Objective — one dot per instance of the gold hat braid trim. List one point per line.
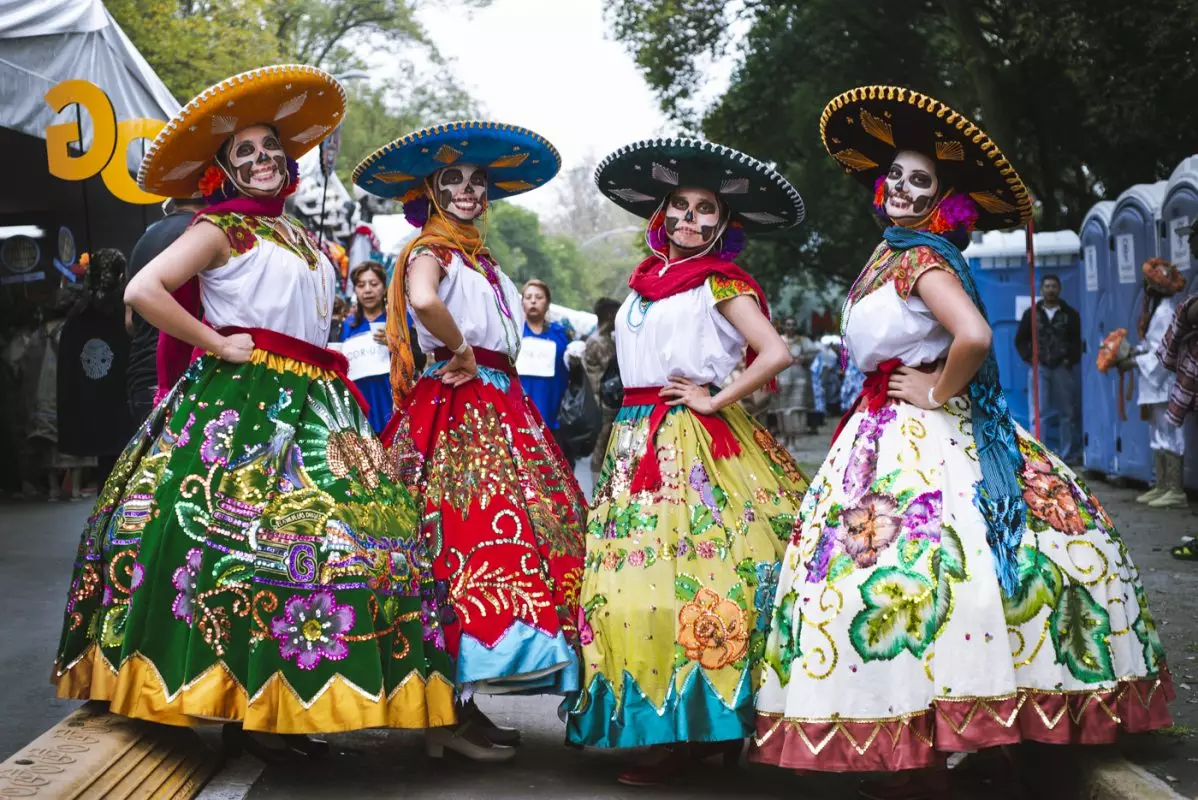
(183, 116)
(464, 125)
(942, 111)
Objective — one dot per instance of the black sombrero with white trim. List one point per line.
(638, 176)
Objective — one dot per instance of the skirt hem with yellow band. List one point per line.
(253, 558)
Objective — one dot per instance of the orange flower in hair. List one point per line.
(1163, 276)
(211, 180)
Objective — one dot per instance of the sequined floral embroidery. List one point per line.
(313, 629)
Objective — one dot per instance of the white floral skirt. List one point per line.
(891, 638)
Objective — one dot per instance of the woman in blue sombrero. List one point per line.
(695, 500)
(501, 508)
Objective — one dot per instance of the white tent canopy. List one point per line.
(44, 42)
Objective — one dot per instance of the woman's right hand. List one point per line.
(460, 369)
(236, 349)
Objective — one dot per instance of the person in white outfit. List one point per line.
(1162, 282)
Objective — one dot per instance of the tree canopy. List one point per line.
(1086, 97)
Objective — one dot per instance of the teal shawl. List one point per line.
(998, 496)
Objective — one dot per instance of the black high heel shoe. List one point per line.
(237, 742)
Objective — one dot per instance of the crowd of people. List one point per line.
(294, 544)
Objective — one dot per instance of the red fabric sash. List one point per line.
(283, 345)
(648, 472)
(491, 359)
(873, 392)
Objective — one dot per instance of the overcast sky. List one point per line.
(547, 65)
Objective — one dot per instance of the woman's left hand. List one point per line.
(913, 386)
(380, 336)
(683, 392)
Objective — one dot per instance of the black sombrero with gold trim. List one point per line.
(638, 176)
(865, 127)
(516, 159)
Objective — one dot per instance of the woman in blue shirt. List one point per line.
(545, 391)
(370, 286)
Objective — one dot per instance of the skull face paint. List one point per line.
(255, 161)
(912, 187)
(461, 191)
(692, 218)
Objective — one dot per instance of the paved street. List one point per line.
(37, 542)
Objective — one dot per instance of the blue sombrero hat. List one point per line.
(517, 160)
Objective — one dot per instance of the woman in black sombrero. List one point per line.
(951, 584)
(695, 500)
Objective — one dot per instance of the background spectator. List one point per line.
(1059, 331)
(794, 386)
(369, 280)
(93, 359)
(599, 354)
(544, 380)
(141, 377)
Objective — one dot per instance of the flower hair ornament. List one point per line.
(216, 186)
(953, 212)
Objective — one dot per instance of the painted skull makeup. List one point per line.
(912, 187)
(461, 191)
(692, 218)
(255, 161)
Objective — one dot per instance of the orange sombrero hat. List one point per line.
(304, 104)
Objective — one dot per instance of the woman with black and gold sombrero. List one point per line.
(499, 503)
(253, 558)
(695, 500)
(951, 584)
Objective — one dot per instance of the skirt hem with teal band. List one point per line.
(678, 582)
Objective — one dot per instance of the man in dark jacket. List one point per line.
(142, 377)
(1059, 331)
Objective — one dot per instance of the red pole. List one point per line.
(1031, 279)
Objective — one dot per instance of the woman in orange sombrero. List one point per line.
(253, 558)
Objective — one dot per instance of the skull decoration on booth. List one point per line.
(912, 188)
(255, 161)
(461, 191)
(693, 218)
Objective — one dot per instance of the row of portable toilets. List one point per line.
(1100, 277)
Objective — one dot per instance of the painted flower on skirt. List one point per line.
(872, 427)
(869, 528)
(430, 624)
(218, 438)
(767, 586)
(1050, 499)
(922, 519)
(712, 631)
(860, 471)
(701, 483)
(585, 634)
(184, 580)
(241, 238)
(817, 565)
(313, 629)
(137, 576)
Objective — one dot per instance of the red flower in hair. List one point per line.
(211, 180)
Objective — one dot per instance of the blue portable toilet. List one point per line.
(1134, 234)
(1178, 212)
(998, 260)
(1099, 410)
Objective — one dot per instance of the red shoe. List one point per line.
(669, 767)
(926, 784)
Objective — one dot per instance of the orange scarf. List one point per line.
(440, 232)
